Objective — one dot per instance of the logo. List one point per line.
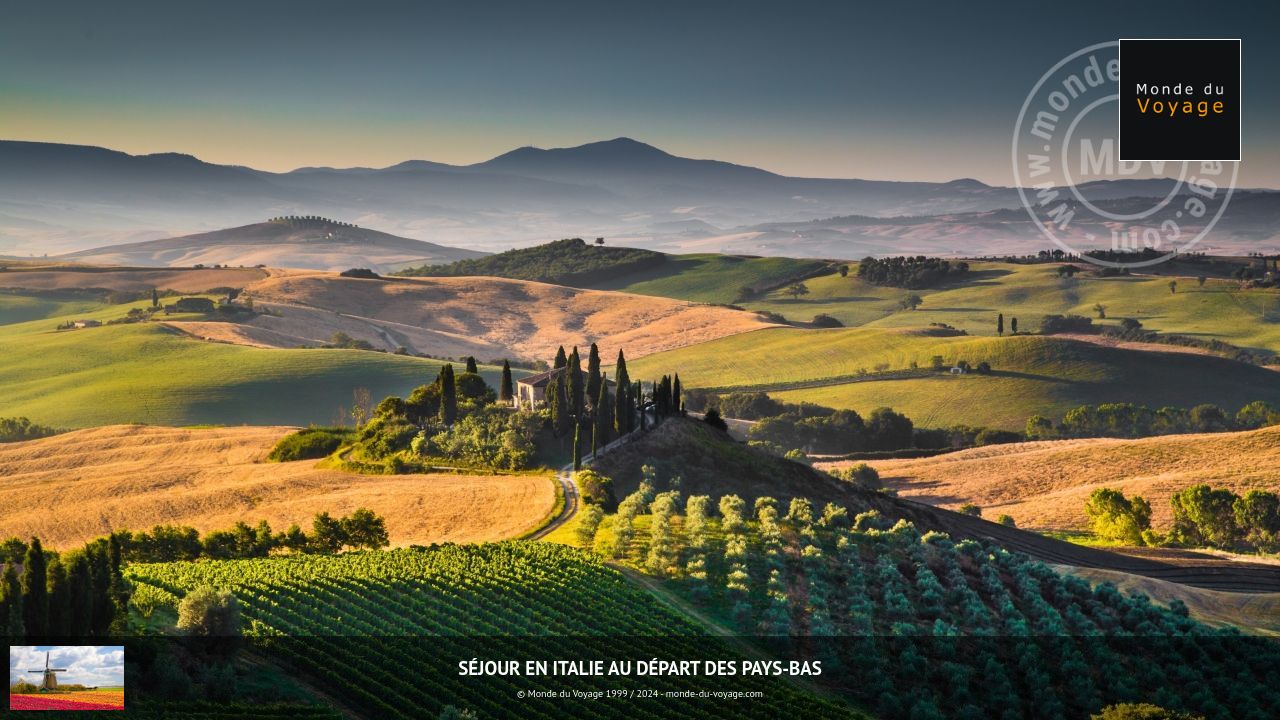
(1082, 196)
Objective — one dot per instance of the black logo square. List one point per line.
(1180, 100)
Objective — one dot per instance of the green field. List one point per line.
(150, 373)
(384, 631)
(1031, 374)
(710, 278)
(1248, 318)
(23, 308)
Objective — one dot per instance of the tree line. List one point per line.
(1127, 420)
(1203, 516)
(362, 529)
(80, 593)
(912, 272)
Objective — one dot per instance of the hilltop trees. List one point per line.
(909, 272)
(561, 360)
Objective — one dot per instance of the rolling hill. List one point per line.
(487, 317)
(704, 277)
(80, 485)
(1044, 485)
(152, 373)
(1031, 375)
(1220, 308)
(310, 244)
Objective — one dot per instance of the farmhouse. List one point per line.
(191, 304)
(531, 390)
(88, 323)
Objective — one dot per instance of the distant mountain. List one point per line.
(316, 244)
(65, 198)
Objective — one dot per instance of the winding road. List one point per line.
(565, 478)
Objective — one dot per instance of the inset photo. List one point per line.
(66, 677)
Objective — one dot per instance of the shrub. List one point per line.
(309, 444)
(1006, 520)
(594, 488)
(970, 509)
(823, 320)
(1115, 517)
(862, 475)
(992, 436)
(1051, 324)
(209, 613)
(1140, 711)
(712, 418)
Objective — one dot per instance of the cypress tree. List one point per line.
(471, 365)
(35, 591)
(80, 589)
(59, 598)
(1013, 326)
(644, 417)
(11, 594)
(448, 395)
(577, 446)
(155, 298)
(505, 390)
(623, 410)
(593, 373)
(558, 405)
(1000, 324)
(561, 361)
(604, 419)
(576, 386)
(103, 605)
(677, 401)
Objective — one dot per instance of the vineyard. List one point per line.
(918, 626)
(383, 632)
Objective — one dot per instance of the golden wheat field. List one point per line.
(1044, 485)
(73, 487)
(481, 316)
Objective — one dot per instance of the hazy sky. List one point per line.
(882, 90)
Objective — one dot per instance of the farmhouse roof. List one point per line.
(542, 378)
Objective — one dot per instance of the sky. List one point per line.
(89, 665)
(899, 91)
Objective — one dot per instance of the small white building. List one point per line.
(88, 323)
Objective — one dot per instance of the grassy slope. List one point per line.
(24, 308)
(1045, 485)
(1249, 318)
(152, 374)
(209, 478)
(709, 277)
(1033, 374)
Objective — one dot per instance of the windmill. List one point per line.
(50, 678)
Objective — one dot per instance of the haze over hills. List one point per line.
(315, 244)
(67, 198)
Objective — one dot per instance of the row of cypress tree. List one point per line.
(77, 594)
